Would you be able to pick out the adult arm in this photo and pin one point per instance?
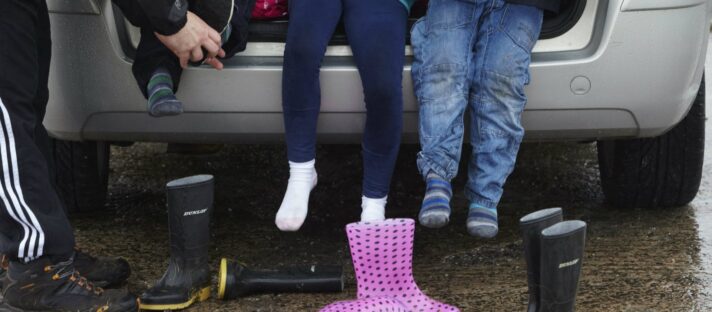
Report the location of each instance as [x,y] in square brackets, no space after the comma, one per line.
[166,16]
[183,32]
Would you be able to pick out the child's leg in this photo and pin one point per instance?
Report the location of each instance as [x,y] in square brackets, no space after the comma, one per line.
[442,44]
[376,31]
[502,57]
[311,25]
[157,72]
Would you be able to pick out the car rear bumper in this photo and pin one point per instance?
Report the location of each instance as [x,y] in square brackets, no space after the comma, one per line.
[636,78]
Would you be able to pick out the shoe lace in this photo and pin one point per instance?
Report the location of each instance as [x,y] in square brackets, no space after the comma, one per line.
[66,270]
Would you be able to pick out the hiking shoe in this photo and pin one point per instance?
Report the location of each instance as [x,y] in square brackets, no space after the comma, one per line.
[43,286]
[102,271]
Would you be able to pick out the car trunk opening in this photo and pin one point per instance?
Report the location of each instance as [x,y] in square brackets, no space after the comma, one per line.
[555,24]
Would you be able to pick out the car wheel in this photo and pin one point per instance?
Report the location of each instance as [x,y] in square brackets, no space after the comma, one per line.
[81,174]
[664,171]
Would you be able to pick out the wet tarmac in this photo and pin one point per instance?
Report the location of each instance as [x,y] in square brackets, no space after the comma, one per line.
[636,260]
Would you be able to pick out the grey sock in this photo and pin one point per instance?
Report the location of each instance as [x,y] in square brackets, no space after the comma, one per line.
[435,210]
[161,100]
[482,221]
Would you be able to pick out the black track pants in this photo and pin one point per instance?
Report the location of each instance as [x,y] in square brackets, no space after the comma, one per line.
[33,222]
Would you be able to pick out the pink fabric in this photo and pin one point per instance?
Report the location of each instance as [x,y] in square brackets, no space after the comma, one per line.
[382,254]
[269,9]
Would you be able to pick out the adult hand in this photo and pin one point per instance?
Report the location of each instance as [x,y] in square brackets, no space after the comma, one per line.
[194,38]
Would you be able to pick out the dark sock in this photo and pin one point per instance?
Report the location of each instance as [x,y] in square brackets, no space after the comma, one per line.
[161,100]
[435,211]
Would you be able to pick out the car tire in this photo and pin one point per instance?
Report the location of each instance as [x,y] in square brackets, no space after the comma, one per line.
[664,171]
[81,172]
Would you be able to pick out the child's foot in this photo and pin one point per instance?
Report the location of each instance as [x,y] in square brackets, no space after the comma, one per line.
[435,211]
[482,221]
[295,205]
[161,100]
[373,209]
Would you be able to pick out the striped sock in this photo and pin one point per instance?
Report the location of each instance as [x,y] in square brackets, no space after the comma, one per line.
[161,100]
[482,221]
[435,211]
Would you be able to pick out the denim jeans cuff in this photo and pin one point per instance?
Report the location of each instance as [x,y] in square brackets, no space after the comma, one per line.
[426,165]
[479,200]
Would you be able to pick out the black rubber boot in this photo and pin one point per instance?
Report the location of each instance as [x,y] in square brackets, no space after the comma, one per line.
[102,271]
[236,280]
[562,248]
[43,286]
[187,280]
[531,226]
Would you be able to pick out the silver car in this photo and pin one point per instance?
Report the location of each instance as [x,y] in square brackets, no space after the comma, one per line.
[625,73]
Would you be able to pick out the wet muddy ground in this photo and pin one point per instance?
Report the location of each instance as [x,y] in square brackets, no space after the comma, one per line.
[636,260]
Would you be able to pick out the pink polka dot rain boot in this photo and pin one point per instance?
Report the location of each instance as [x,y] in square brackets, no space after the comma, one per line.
[382,254]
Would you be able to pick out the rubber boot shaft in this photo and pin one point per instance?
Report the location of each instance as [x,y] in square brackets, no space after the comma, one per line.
[187,279]
[562,247]
[190,206]
[382,255]
[531,226]
[241,281]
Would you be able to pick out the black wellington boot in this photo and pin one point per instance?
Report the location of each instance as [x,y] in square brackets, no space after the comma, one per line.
[235,280]
[562,248]
[187,280]
[531,226]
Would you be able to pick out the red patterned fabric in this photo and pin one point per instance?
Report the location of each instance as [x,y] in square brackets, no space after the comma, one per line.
[269,9]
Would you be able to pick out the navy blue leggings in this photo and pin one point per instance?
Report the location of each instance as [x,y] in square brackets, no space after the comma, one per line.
[376,32]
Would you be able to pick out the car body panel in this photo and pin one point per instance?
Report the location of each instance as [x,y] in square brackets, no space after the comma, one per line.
[643,67]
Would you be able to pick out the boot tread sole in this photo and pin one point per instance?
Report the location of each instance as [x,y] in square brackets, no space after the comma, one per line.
[199,296]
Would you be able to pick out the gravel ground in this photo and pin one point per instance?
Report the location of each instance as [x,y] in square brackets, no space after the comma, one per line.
[636,260]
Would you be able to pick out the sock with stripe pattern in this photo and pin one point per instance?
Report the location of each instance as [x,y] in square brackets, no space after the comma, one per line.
[482,221]
[161,99]
[435,211]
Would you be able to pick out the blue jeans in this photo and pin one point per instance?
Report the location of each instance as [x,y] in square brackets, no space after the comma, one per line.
[376,30]
[473,54]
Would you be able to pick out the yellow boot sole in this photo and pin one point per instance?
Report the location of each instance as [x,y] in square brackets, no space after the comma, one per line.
[199,296]
[222,278]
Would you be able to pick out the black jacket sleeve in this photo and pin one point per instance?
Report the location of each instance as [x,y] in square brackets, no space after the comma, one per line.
[166,16]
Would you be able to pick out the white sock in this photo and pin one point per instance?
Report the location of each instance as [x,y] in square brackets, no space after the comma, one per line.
[373,209]
[295,205]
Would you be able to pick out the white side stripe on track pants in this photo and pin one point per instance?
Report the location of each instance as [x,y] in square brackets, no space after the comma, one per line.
[13,200]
